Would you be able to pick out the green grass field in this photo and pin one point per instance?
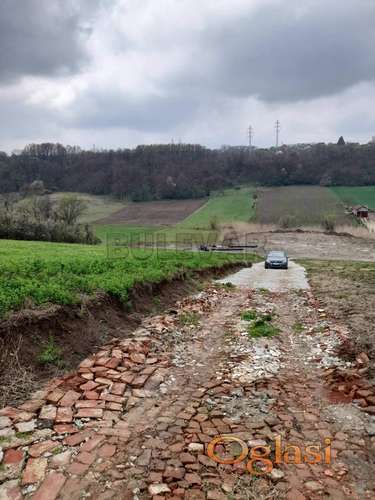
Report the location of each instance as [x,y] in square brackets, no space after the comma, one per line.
[231,205]
[38,273]
[111,231]
[299,205]
[358,195]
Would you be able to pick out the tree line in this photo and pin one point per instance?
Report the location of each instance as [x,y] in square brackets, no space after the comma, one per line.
[183,171]
[35,217]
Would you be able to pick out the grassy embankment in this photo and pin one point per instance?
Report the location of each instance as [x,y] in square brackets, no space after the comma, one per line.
[38,273]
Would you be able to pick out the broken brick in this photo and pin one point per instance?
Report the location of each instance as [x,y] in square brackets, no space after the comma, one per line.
[51,487]
[69,398]
[89,413]
[107,451]
[64,415]
[34,471]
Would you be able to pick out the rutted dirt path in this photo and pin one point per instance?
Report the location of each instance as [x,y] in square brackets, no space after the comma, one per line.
[135,420]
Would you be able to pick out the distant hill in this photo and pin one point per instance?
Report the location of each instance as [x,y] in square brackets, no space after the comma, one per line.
[184,171]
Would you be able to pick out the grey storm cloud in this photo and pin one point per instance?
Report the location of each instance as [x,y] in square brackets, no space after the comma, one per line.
[97,109]
[288,51]
[42,37]
[24,119]
[136,70]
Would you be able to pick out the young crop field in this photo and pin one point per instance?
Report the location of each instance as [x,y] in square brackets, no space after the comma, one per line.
[171,235]
[38,273]
[197,219]
[231,205]
[359,195]
[295,206]
[123,231]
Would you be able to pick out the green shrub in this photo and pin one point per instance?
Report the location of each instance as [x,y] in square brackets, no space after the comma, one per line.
[214,223]
[329,223]
[16,228]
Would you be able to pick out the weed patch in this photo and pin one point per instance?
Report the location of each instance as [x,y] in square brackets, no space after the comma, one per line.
[260,324]
[262,328]
[50,354]
[249,315]
[228,285]
[57,450]
[189,319]
[23,435]
[298,327]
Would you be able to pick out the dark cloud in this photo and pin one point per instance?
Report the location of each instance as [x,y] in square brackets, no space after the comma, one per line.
[288,51]
[22,123]
[42,37]
[103,109]
[206,78]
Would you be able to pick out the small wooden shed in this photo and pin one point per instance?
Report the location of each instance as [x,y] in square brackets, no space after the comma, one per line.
[360,211]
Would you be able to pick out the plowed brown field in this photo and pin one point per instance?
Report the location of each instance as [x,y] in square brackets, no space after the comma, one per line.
[154,213]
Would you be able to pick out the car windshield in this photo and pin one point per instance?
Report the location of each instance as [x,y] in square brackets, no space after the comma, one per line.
[277,254]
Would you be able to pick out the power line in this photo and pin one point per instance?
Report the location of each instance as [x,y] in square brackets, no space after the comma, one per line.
[250,132]
[277,128]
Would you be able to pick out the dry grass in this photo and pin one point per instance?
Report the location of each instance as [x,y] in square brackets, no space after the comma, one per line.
[249,487]
[17,381]
[357,231]
[240,229]
[248,227]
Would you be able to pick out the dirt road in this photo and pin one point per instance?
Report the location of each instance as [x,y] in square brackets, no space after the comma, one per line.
[135,420]
[274,280]
[314,245]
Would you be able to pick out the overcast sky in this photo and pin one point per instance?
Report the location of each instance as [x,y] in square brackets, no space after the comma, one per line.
[117,73]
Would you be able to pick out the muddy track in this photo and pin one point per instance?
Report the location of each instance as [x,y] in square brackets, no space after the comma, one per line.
[135,420]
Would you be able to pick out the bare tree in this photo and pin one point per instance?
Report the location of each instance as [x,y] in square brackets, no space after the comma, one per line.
[70,209]
[38,208]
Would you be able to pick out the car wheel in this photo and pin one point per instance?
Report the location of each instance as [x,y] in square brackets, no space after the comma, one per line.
[265,266]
